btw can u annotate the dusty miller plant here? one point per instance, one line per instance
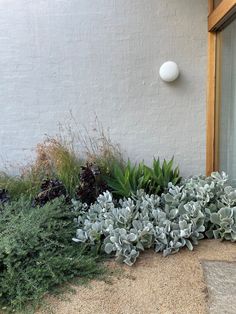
(213, 196)
(182, 216)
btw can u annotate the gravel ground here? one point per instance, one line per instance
(170, 285)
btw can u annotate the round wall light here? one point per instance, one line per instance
(169, 71)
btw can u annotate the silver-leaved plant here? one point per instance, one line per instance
(200, 206)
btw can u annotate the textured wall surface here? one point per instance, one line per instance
(102, 57)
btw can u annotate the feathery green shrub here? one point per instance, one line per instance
(37, 252)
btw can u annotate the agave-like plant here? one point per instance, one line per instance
(161, 175)
(125, 181)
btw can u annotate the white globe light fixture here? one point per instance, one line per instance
(169, 71)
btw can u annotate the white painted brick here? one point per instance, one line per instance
(102, 57)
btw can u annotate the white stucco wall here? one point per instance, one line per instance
(101, 57)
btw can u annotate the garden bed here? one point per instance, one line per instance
(66, 213)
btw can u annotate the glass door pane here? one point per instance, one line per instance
(227, 114)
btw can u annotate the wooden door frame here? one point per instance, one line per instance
(217, 20)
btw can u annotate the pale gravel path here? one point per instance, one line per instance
(170, 285)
